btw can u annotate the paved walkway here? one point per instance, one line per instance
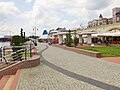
(112, 59)
(65, 70)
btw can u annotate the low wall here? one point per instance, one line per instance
(12, 69)
(81, 51)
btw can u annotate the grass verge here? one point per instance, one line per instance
(106, 51)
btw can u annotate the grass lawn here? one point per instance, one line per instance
(106, 51)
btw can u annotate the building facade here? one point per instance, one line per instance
(116, 15)
(105, 21)
(100, 21)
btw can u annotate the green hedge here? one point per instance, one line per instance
(68, 40)
(16, 40)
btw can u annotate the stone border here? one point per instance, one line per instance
(12, 69)
(15, 81)
(81, 51)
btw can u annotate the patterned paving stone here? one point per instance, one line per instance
(94, 68)
(43, 77)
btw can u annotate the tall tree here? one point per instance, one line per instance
(21, 32)
(68, 39)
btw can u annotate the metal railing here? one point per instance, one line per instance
(19, 55)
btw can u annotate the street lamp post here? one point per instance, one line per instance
(35, 29)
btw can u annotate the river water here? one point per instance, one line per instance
(2, 44)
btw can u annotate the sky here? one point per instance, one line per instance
(50, 14)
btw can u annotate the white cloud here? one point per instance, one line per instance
(57, 13)
(50, 13)
(28, 1)
(12, 19)
(26, 15)
(97, 4)
(9, 8)
(6, 29)
(14, 29)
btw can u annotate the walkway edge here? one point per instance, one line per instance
(15, 81)
(12, 69)
(79, 77)
(3, 81)
(80, 51)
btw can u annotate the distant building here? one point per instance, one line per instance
(7, 36)
(105, 21)
(61, 29)
(116, 15)
(99, 22)
(110, 20)
(43, 37)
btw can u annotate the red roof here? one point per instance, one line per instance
(100, 16)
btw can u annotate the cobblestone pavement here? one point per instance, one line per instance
(43, 77)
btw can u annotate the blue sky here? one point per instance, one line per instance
(50, 14)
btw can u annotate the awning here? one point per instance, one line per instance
(107, 34)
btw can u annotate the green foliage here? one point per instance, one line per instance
(75, 41)
(21, 32)
(106, 51)
(16, 40)
(68, 39)
(22, 36)
(26, 39)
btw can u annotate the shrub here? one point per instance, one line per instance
(75, 41)
(16, 40)
(16, 48)
(68, 40)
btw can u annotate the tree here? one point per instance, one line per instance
(75, 41)
(68, 39)
(16, 40)
(21, 32)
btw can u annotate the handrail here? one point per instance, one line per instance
(18, 55)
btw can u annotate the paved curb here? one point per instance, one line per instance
(12, 69)
(15, 81)
(80, 51)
